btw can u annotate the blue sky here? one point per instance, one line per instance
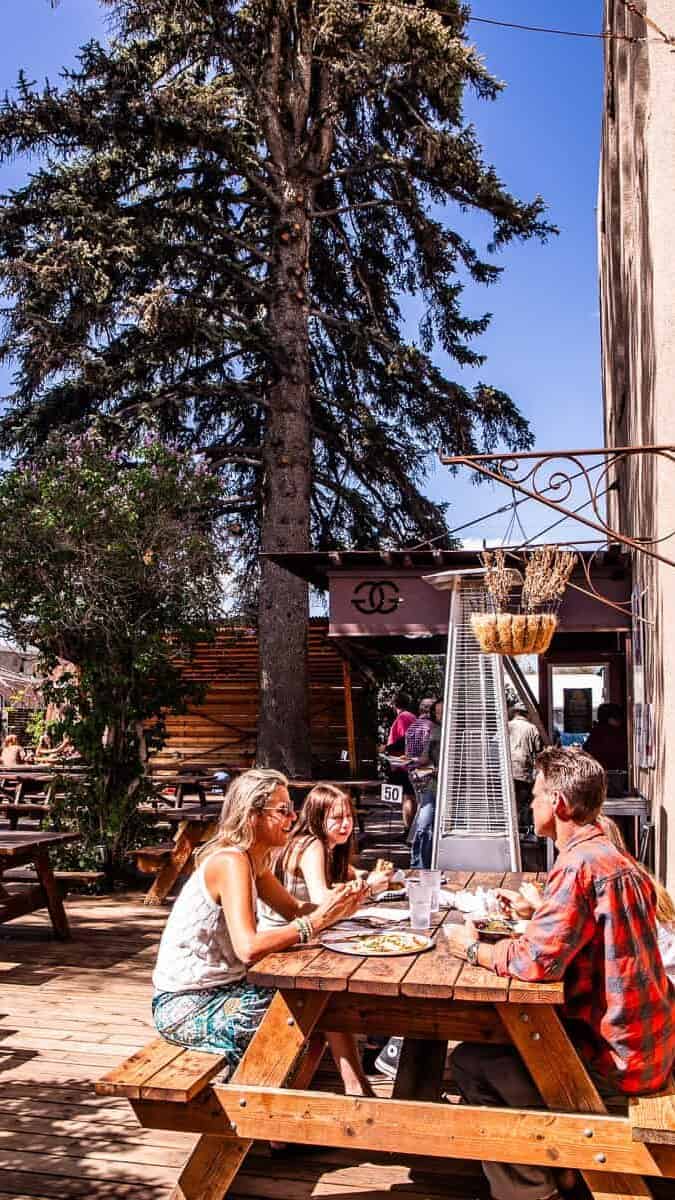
(543, 135)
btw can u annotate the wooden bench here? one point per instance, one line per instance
(162, 1071)
(64, 878)
(653, 1117)
(151, 859)
(27, 808)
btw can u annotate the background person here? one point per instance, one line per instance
(526, 743)
(416, 742)
(397, 774)
(317, 857)
(12, 754)
(44, 747)
(607, 739)
(62, 752)
(422, 846)
(202, 999)
(403, 720)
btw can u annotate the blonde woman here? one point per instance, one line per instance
(202, 999)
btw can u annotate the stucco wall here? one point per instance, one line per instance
(636, 218)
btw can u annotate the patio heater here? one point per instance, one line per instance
(476, 826)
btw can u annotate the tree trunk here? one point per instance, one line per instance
(283, 609)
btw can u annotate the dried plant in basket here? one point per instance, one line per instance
(547, 574)
(530, 628)
(500, 580)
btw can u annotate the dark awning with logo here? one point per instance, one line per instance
(382, 594)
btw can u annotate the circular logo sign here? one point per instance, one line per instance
(381, 596)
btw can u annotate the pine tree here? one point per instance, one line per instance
(232, 202)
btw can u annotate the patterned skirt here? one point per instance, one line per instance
(219, 1020)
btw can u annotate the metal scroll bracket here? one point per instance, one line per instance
(535, 473)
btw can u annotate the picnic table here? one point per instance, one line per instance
(430, 999)
(349, 785)
(169, 860)
(182, 784)
(17, 899)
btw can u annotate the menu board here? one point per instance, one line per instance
(577, 710)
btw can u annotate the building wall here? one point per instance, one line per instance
(636, 218)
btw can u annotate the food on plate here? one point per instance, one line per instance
(495, 925)
(395, 885)
(390, 943)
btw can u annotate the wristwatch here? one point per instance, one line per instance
(472, 953)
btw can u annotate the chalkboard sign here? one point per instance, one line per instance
(577, 710)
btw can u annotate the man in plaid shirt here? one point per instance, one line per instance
(596, 929)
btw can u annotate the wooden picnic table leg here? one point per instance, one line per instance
(188, 835)
(53, 896)
(564, 1083)
(420, 1070)
(269, 1060)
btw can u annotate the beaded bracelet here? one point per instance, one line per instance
(304, 928)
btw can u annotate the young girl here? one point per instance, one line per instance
(315, 860)
(202, 999)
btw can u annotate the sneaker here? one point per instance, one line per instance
(388, 1059)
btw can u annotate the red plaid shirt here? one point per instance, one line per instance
(597, 929)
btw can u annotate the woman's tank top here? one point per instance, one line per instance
(196, 950)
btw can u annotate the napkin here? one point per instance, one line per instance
(382, 912)
(480, 903)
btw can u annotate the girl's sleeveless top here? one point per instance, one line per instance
(294, 883)
(195, 951)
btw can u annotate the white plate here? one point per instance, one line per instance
(417, 943)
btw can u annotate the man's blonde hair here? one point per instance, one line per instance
(578, 777)
(246, 796)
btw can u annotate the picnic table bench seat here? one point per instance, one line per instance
(161, 1070)
(63, 878)
(151, 859)
(653, 1117)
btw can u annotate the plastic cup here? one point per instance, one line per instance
(419, 899)
(432, 879)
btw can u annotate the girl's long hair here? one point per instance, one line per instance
(313, 823)
(665, 906)
(247, 795)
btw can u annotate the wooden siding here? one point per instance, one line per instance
(222, 727)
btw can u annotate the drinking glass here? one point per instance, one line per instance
(432, 879)
(419, 898)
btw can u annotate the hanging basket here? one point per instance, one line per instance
(514, 633)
